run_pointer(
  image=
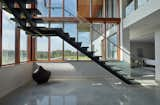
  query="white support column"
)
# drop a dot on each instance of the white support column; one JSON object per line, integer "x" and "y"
{"x": 126, "y": 46}
{"x": 125, "y": 42}
{"x": 157, "y": 55}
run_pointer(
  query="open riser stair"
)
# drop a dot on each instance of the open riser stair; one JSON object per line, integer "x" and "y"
{"x": 32, "y": 29}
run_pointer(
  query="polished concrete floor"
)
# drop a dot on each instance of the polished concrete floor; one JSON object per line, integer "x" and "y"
{"x": 140, "y": 73}
{"x": 100, "y": 91}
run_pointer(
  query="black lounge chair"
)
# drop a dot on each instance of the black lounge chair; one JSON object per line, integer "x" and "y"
{"x": 40, "y": 75}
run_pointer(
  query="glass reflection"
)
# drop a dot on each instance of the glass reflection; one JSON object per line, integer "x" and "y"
{"x": 112, "y": 49}
{"x": 53, "y": 100}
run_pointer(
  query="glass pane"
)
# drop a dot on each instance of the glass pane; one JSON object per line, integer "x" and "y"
{"x": 98, "y": 36}
{"x": 71, "y": 28}
{"x": 70, "y": 8}
{"x": 42, "y": 48}
{"x": 56, "y": 8}
{"x": 43, "y": 7}
{"x": 56, "y": 44}
{"x": 23, "y": 46}
{"x": 84, "y": 37}
{"x": 8, "y": 41}
{"x": 141, "y": 2}
{"x": 42, "y": 25}
{"x": 70, "y": 53}
{"x": 97, "y": 8}
{"x": 130, "y": 8}
{"x": 112, "y": 49}
{"x": 112, "y": 8}
{"x": 56, "y": 48}
{"x": 84, "y": 5}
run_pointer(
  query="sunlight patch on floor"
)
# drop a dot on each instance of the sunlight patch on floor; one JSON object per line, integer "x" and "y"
{"x": 147, "y": 82}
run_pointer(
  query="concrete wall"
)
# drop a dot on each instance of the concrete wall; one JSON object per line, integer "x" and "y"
{"x": 145, "y": 10}
{"x": 148, "y": 49}
{"x": 75, "y": 70}
{"x": 125, "y": 45}
{"x": 12, "y": 77}
{"x": 97, "y": 46}
{"x": 157, "y": 55}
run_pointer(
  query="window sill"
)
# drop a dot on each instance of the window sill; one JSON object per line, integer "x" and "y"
{"x": 13, "y": 64}
{"x": 60, "y": 61}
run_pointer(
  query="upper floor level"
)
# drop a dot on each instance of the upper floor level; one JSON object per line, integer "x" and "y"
{"x": 74, "y": 8}
{"x": 136, "y": 10}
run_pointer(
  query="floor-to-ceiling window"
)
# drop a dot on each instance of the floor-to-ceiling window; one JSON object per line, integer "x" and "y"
{"x": 70, "y": 8}
{"x": 70, "y": 53}
{"x": 84, "y": 37}
{"x": 84, "y": 8}
{"x": 112, "y": 47}
{"x": 8, "y": 39}
{"x": 23, "y": 46}
{"x": 56, "y": 44}
{"x": 56, "y": 8}
{"x": 97, "y": 38}
{"x": 97, "y": 8}
{"x": 42, "y": 48}
{"x": 112, "y": 8}
{"x": 42, "y": 5}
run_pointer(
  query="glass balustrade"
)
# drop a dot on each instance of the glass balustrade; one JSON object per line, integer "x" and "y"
{"x": 140, "y": 3}
{"x": 130, "y": 8}
{"x": 135, "y": 4}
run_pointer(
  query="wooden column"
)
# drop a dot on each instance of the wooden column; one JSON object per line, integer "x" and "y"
{"x": 49, "y": 48}
{"x": 49, "y": 38}
{"x": 104, "y": 1}
{"x": 118, "y": 33}
{"x": 63, "y": 28}
{"x": 33, "y": 41}
{"x": 29, "y": 50}
{"x": 17, "y": 45}
{"x": 91, "y": 37}
{"x": 0, "y": 34}
{"x": 77, "y": 41}
{"x": 118, "y": 40}
{"x": 34, "y": 48}
{"x": 105, "y": 41}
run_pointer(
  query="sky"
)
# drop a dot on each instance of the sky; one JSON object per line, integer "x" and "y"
{"x": 8, "y": 32}
{"x": 42, "y": 43}
{"x": 71, "y": 28}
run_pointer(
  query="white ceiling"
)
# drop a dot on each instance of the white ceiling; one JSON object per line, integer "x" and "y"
{"x": 144, "y": 29}
{"x": 144, "y": 38}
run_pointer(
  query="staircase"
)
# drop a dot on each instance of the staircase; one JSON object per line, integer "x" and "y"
{"x": 42, "y": 31}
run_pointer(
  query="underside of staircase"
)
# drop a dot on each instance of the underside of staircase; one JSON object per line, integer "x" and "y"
{"x": 24, "y": 17}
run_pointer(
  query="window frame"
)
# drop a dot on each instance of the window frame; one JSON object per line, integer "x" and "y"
{"x": 36, "y": 51}
{"x": 16, "y": 46}
{"x": 26, "y": 49}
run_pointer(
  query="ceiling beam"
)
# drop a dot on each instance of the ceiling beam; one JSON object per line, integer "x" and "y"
{"x": 104, "y": 20}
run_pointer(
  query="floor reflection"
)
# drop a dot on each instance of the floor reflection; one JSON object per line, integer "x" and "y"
{"x": 84, "y": 92}
{"x": 53, "y": 100}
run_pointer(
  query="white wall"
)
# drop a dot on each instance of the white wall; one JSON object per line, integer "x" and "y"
{"x": 125, "y": 45}
{"x": 157, "y": 55}
{"x": 148, "y": 49}
{"x": 75, "y": 70}
{"x": 142, "y": 12}
{"x": 97, "y": 46}
{"x": 12, "y": 77}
